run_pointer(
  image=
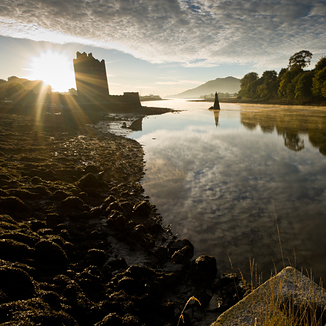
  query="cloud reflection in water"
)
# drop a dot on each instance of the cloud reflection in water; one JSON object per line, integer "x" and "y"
{"x": 217, "y": 187}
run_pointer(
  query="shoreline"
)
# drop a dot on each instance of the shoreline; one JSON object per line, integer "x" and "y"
{"x": 268, "y": 102}
{"x": 82, "y": 240}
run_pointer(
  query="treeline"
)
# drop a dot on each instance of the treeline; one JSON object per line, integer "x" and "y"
{"x": 17, "y": 87}
{"x": 291, "y": 83}
{"x": 211, "y": 96}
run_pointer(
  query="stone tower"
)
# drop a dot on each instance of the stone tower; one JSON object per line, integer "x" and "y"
{"x": 90, "y": 74}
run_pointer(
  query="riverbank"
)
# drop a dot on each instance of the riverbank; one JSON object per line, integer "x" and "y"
{"x": 281, "y": 101}
{"x": 80, "y": 243}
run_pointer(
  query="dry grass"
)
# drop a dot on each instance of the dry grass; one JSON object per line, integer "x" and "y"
{"x": 181, "y": 318}
{"x": 291, "y": 301}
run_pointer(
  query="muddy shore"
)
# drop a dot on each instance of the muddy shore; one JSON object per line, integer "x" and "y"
{"x": 80, "y": 243}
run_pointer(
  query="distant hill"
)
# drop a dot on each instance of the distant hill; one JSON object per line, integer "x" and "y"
{"x": 224, "y": 85}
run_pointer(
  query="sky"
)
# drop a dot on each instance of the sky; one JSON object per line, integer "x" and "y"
{"x": 159, "y": 47}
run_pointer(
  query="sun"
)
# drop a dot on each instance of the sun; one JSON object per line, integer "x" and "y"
{"x": 54, "y": 68}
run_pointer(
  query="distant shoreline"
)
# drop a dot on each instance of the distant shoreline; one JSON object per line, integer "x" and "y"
{"x": 253, "y": 101}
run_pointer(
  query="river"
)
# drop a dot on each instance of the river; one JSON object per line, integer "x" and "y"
{"x": 245, "y": 184}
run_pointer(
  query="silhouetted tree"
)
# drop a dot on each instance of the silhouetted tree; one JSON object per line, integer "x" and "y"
{"x": 300, "y": 60}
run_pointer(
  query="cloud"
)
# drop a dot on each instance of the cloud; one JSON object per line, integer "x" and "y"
{"x": 192, "y": 32}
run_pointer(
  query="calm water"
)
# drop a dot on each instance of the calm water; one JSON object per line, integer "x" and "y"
{"x": 221, "y": 179}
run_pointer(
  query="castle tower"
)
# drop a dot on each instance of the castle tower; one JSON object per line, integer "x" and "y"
{"x": 90, "y": 74}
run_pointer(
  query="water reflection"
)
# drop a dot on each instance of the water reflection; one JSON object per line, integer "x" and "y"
{"x": 292, "y": 124}
{"x": 221, "y": 187}
{"x": 216, "y": 116}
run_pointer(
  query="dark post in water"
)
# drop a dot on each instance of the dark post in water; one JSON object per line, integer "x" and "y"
{"x": 216, "y": 103}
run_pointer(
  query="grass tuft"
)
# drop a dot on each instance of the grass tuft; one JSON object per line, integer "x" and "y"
{"x": 184, "y": 308}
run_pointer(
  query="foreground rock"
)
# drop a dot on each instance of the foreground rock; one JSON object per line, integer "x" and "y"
{"x": 288, "y": 298}
{"x": 80, "y": 244}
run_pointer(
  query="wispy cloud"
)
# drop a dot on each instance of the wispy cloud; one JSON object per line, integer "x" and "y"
{"x": 191, "y": 32}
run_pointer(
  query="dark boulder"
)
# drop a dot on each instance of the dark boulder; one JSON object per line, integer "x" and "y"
{"x": 179, "y": 244}
{"x": 50, "y": 254}
{"x": 205, "y": 268}
{"x": 14, "y": 251}
{"x": 73, "y": 203}
{"x": 88, "y": 181}
{"x": 143, "y": 209}
{"x": 96, "y": 257}
{"x": 91, "y": 168}
{"x": 111, "y": 319}
{"x": 60, "y": 195}
{"x": 16, "y": 283}
{"x": 182, "y": 255}
{"x": 13, "y": 205}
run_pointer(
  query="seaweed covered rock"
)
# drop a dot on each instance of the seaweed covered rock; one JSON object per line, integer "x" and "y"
{"x": 14, "y": 251}
{"x": 205, "y": 268}
{"x": 12, "y": 205}
{"x": 16, "y": 283}
{"x": 51, "y": 254}
{"x": 88, "y": 181}
{"x": 72, "y": 203}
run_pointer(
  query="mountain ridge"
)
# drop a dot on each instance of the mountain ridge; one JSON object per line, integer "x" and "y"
{"x": 224, "y": 85}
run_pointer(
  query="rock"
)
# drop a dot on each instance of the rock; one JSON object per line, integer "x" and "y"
{"x": 51, "y": 298}
{"x": 91, "y": 169}
{"x": 28, "y": 238}
{"x": 36, "y": 224}
{"x": 96, "y": 257}
{"x": 111, "y": 319}
{"x": 73, "y": 203}
{"x": 60, "y": 195}
{"x": 137, "y": 271}
{"x": 205, "y": 268}
{"x": 182, "y": 255}
{"x": 117, "y": 264}
{"x": 88, "y": 181}
{"x": 16, "y": 283}
{"x": 13, "y": 205}
{"x": 95, "y": 212}
{"x": 50, "y": 254}
{"x": 115, "y": 206}
{"x": 179, "y": 244}
{"x": 83, "y": 196}
{"x": 107, "y": 202}
{"x": 53, "y": 219}
{"x": 3, "y": 193}
{"x": 142, "y": 209}
{"x": 7, "y": 218}
{"x": 116, "y": 220}
{"x": 128, "y": 285}
{"x": 36, "y": 180}
{"x": 23, "y": 194}
{"x": 14, "y": 251}
{"x": 307, "y": 310}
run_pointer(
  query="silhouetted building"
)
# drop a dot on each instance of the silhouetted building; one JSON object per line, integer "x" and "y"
{"x": 90, "y": 74}
{"x": 92, "y": 83}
